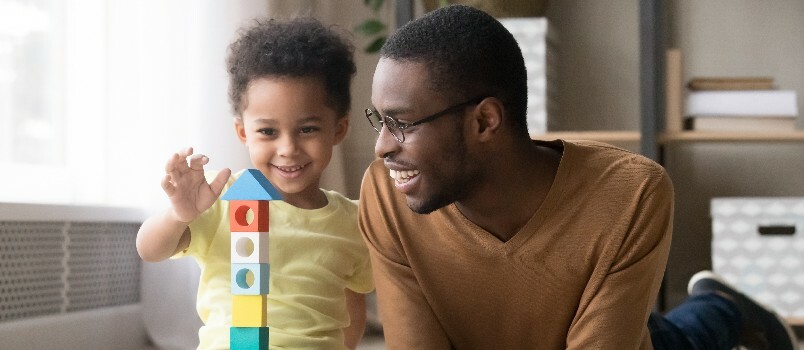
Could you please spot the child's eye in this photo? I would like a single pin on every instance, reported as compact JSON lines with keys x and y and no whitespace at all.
{"x":308,"y":129}
{"x":267,"y":131}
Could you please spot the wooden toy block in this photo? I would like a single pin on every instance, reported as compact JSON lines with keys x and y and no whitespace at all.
{"x":248,"y":338}
{"x":249,"y":311}
{"x":250,"y":279}
{"x":252,"y":185}
{"x":249,"y":247}
{"x":239,"y":216}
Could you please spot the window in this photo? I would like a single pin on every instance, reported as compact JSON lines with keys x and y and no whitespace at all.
{"x":95,"y":94}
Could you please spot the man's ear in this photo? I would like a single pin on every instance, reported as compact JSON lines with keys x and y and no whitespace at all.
{"x":240,"y":129}
{"x":341,"y":129}
{"x":488,"y":118}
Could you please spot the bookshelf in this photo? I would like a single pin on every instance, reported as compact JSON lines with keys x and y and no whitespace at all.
{"x":722,"y":38}
{"x":602,"y":136}
{"x":699,"y":136}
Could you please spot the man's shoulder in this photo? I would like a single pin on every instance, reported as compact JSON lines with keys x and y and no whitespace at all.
{"x":605,"y":155}
{"x":613,"y":166}
{"x":376,"y":178}
{"x":376,"y":167}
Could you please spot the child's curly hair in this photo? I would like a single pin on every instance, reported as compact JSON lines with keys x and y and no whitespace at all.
{"x":301,"y":47}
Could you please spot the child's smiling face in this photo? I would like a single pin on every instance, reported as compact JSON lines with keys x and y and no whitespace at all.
{"x":290,"y":131}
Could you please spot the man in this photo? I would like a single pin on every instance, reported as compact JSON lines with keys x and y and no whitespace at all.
{"x":482,"y":238}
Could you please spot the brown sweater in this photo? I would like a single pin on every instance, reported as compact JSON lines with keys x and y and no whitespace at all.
{"x":583,"y":273}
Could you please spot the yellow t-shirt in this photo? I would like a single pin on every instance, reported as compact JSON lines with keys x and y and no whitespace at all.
{"x":314,"y":255}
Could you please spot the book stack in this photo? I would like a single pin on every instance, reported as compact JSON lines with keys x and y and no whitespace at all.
{"x":750,"y":104}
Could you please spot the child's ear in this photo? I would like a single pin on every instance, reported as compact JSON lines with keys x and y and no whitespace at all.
{"x":341,"y":128}
{"x":240,"y":130}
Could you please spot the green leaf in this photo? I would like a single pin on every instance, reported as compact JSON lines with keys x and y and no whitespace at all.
{"x":375,"y":45}
{"x":375,"y":5}
{"x":370,"y":27}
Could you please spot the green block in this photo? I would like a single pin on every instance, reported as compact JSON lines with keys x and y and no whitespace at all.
{"x":248,"y":338}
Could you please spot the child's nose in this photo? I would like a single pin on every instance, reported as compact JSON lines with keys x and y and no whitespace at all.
{"x":287,"y":146}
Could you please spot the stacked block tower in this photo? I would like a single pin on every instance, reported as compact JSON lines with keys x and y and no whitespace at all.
{"x":248,"y":221}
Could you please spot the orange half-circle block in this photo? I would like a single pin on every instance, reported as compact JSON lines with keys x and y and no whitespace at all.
{"x":239,"y":216}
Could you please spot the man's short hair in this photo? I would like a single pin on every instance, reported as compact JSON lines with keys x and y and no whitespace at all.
{"x":468,"y":54}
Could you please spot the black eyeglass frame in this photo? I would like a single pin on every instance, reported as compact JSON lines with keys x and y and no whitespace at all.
{"x":397,"y":125}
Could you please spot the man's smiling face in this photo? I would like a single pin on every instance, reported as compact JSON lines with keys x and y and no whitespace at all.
{"x":430,"y":167}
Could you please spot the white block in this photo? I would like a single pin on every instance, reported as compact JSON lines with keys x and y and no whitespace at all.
{"x":250,"y":247}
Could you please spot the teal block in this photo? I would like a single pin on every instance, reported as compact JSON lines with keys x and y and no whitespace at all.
{"x":261,"y":274}
{"x":248,"y":338}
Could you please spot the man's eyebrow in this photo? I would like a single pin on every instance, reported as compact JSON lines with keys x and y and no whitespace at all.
{"x":390,"y":112}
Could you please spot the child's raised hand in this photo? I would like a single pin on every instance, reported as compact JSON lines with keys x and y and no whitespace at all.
{"x":186,"y":186}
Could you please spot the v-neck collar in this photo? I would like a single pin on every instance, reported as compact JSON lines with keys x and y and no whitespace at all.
{"x":547,"y":207}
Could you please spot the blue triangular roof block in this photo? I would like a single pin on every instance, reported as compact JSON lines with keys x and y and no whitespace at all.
{"x":252,"y":185}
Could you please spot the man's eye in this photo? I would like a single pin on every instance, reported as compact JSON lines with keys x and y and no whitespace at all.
{"x":393,"y":123}
{"x":267,"y":131}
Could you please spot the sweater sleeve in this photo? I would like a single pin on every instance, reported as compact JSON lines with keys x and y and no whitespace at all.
{"x":613,"y":313}
{"x":408,"y":320}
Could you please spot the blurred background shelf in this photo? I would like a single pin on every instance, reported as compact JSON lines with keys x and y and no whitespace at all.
{"x":700,"y":136}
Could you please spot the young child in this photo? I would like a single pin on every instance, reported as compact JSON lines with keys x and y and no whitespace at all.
{"x":290,"y":92}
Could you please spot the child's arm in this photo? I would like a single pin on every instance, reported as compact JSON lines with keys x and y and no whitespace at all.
{"x":356,"y":305}
{"x":163,"y":235}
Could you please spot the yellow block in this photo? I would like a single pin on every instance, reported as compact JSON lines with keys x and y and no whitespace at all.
{"x":249,"y":311}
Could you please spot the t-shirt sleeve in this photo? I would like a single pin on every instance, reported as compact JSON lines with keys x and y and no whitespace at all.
{"x":361,"y":280}
{"x":617,"y":313}
{"x":408,"y":319}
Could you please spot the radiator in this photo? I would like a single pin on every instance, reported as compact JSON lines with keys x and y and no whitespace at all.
{"x":69,"y":278}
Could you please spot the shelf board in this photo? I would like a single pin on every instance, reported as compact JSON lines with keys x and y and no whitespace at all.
{"x":700,"y":136}
{"x":602,"y":136}
{"x":666,"y":138}
{"x":795,"y":321}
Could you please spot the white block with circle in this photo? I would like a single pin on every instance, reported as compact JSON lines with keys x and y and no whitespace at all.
{"x":249,"y":247}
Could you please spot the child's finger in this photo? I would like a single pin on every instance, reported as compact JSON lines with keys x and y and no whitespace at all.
{"x":186,"y":152}
{"x":197,"y":161}
{"x":167,"y":185}
{"x":178,"y":162}
{"x":220,"y":180}
{"x":175,"y":165}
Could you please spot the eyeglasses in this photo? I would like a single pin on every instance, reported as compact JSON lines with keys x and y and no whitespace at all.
{"x":396,"y":128}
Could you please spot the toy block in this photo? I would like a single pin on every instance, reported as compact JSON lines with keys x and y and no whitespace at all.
{"x":249,"y":247}
{"x":249,"y":310}
{"x":241,"y":221}
{"x":252,"y":185}
{"x":248,"y":338}
{"x":250,"y":279}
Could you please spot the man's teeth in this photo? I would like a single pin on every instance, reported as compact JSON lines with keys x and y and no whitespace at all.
{"x":403,"y":175}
